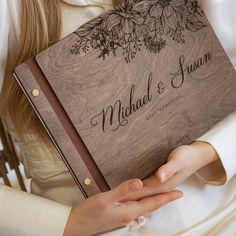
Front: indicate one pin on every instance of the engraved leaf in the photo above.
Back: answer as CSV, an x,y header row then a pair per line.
x,y
112,21
87,27
170,17
182,19
194,24
156,11
128,26
127,37
103,24
152,25
143,6
119,32
166,28
158,24
138,31
177,3
137,19
150,22
182,10
129,4
145,30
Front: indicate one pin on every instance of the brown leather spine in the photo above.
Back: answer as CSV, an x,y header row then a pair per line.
x,y
68,125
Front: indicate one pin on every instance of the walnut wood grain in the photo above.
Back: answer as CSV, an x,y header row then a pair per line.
x,y
85,84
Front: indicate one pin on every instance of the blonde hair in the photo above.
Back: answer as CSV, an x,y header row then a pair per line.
x,y
40,28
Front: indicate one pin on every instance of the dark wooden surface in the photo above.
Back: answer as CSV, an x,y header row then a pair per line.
x,y
55,129
86,84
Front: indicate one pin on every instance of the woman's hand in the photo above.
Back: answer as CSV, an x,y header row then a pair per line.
x,y
186,160
182,162
113,209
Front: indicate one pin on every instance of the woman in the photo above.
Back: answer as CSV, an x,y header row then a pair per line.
x,y
50,178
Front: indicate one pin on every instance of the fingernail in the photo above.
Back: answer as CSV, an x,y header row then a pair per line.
x,y
163,177
136,185
180,195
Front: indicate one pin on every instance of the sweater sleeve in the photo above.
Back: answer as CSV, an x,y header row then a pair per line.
x,y
25,214
223,138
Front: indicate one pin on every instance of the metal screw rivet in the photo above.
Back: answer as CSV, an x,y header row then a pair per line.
x,y
35,92
87,181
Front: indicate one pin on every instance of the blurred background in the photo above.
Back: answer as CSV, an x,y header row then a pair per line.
x,y
222,16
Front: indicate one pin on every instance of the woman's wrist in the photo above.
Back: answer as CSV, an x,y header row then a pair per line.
x,y
67,230
208,153
75,225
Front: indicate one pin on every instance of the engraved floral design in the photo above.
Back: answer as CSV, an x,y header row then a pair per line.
x,y
136,23
125,21
169,12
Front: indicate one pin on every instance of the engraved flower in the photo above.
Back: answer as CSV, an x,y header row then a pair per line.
x,y
154,44
169,12
125,21
105,42
134,23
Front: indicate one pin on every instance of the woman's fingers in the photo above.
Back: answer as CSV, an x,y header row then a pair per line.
x,y
124,190
168,170
139,208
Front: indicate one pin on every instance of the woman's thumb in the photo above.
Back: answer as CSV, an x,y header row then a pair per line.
x,y
167,171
